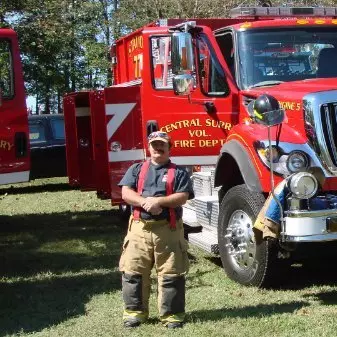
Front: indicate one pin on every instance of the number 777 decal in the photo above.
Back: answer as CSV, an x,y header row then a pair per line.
x,y
119,112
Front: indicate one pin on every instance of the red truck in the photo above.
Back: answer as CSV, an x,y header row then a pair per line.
x,y
14,140
196,80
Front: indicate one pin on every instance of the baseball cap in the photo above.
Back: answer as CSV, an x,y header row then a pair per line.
x,y
159,135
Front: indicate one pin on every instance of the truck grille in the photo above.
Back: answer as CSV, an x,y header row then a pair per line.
x,y
320,112
329,127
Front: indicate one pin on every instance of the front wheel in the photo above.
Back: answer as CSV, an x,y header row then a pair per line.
x,y
245,259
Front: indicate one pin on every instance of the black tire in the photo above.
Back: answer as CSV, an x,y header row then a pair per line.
x,y
124,211
238,211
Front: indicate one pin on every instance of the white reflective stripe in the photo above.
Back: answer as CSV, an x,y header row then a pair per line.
x,y
127,155
120,112
16,177
194,160
83,111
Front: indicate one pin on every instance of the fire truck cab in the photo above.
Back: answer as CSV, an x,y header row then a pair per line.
x,y
196,81
14,149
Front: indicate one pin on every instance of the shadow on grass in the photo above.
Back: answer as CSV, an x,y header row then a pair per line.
x,y
326,297
262,310
33,244
52,264
37,189
314,271
32,306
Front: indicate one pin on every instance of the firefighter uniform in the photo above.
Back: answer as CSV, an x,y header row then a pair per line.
x,y
150,241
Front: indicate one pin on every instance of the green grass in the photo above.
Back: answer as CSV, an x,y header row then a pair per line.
x,y
59,252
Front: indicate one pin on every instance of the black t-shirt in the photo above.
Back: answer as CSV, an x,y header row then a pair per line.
x,y
155,186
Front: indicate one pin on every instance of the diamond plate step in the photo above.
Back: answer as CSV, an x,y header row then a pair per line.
x,y
190,216
206,240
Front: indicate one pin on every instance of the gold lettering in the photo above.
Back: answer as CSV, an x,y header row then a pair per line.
x,y
168,128
135,43
174,126
218,124
228,126
290,105
6,145
184,143
197,133
195,122
186,123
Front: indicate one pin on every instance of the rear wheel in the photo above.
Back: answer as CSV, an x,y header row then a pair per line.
x,y
246,258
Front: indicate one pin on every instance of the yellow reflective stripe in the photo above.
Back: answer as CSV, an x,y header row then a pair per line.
x,y
180,317
259,116
142,316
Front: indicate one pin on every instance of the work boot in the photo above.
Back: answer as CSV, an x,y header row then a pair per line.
x,y
174,325
131,322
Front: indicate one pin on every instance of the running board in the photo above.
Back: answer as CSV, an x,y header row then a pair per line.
x,y
206,240
190,216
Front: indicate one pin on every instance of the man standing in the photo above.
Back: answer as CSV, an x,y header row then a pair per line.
x,y
156,190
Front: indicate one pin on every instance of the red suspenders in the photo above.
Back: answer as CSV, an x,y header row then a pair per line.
x,y
169,189
141,179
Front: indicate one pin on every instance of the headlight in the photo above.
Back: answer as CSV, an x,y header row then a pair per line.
x,y
279,159
297,161
284,163
303,185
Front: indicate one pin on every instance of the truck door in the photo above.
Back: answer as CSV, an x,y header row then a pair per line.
x,y
79,141
14,149
200,126
123,133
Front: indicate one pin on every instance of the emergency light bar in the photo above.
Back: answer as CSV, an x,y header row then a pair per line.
x,y
283,11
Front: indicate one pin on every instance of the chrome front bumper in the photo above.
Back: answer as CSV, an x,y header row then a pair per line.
x,y
309,226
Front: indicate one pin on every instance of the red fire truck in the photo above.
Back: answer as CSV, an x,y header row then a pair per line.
x,y
14,149
196,80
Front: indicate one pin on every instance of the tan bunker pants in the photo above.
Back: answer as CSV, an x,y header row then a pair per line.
x,y
148,244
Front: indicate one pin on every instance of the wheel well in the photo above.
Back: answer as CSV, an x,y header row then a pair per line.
x,y
228,174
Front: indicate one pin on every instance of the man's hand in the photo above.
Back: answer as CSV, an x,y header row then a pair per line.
x,y
151,205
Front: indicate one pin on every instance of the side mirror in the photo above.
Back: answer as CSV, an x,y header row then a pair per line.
x,y
266,115
183,85
182,53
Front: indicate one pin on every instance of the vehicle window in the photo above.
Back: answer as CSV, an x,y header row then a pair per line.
x,y
161,62
37,133
282,55
211,74
57,126
6,70
225,42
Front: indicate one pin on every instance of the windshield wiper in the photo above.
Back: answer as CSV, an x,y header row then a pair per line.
x,y
265,83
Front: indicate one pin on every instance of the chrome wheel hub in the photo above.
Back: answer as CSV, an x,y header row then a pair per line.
x,y
240,241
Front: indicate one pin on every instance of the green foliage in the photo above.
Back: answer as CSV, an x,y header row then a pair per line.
x,y
65,43
65,47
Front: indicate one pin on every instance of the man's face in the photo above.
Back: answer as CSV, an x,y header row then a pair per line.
x,y
159,151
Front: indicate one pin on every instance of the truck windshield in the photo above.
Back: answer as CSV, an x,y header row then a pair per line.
x,y
6,70
273,56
